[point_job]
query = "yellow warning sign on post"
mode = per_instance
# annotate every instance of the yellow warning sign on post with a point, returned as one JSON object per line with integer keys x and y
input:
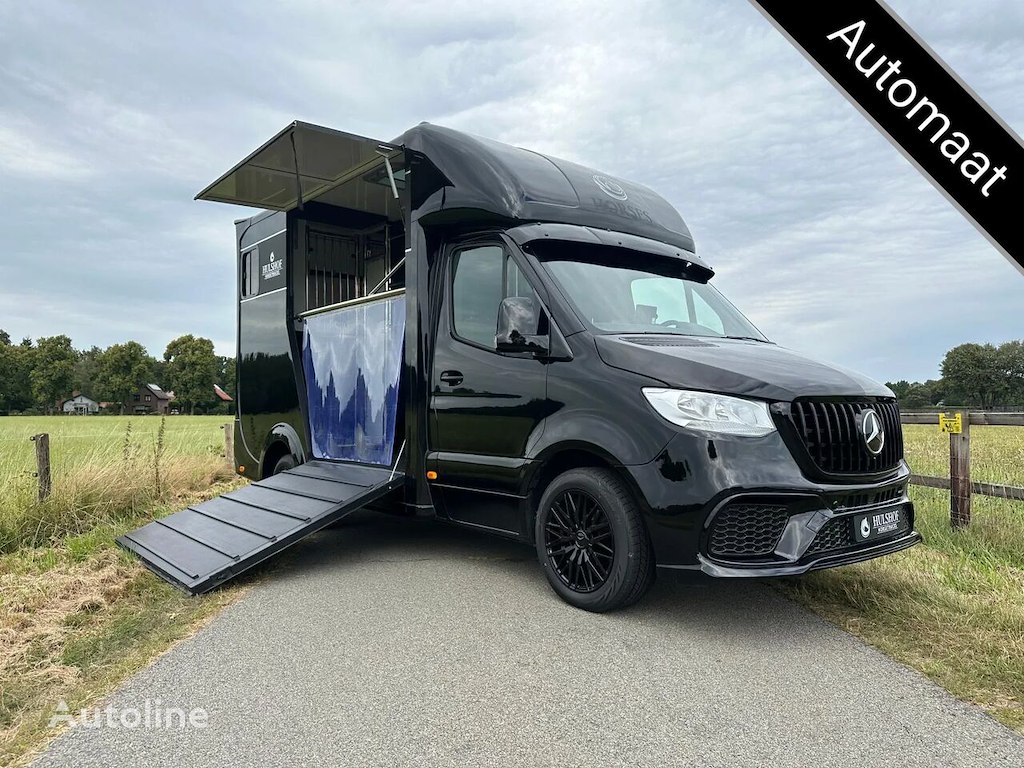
{"x": 954, "y": 425}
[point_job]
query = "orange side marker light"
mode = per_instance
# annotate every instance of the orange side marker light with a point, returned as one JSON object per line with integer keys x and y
{"x": 431, "y": 475}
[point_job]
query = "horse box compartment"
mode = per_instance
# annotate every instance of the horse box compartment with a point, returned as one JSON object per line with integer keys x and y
{"x": 447, "y": 326}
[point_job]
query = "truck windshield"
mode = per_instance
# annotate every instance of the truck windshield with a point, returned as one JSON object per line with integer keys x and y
{"x": 628, "y": 292}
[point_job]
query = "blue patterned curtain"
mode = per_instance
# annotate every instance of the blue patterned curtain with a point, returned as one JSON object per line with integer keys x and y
{"x": 352, "y": 358}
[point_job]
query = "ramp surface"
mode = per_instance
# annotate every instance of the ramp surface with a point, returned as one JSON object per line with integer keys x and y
{"x": 207, "y": 544}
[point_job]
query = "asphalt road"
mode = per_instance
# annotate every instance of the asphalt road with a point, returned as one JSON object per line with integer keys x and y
{"x": 389, "y": 642}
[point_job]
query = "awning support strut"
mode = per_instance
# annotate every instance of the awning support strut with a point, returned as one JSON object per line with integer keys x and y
{"x": 298, "y": 176}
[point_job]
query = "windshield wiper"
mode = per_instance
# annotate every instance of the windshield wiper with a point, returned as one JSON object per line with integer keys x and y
{"x": 668, "y": 333}
{"x": 748, "y": 338}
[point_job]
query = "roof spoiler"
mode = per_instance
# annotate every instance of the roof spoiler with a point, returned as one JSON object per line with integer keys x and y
{"x": 576, "y": 233}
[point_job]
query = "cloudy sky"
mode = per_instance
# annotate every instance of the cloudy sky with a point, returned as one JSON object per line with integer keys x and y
{"x": 114, "y": 114}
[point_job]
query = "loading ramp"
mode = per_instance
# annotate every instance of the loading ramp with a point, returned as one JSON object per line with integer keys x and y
{"x": 205, "y": 545}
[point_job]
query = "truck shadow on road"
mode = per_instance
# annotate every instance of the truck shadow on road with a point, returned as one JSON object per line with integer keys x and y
{"x": 501, "y": 569}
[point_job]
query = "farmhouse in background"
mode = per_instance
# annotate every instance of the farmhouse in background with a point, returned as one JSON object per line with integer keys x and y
{"x": 225, "y": 403}
{"x": 150, "y": 399}
{"x": 80, "y": 405}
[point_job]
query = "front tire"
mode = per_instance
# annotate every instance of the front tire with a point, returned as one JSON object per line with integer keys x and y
{"x": 592, "y": 542}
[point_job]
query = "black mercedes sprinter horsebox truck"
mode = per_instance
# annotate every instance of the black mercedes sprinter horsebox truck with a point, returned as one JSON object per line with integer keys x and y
{"x": 461, "y": 329}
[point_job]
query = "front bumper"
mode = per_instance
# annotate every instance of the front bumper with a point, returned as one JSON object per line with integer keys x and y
{"x": 695, "y": 478}
{"x": 826, "y": 560}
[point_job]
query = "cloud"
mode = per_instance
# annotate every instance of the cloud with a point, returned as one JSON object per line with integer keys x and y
{"x": 114, "y": 117}
{"x": 24, "y": 156}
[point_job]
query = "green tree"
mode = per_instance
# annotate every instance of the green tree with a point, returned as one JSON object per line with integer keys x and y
{"x": 937, "y": 391}
{"x": 53, "y": 370}
{"x": 86, "y": 371}
{"x": 917, "y": 396}
{"x": 122, "y": 369}
{"x": 973, "y": 375}
{"x": 226, "y": 374}
{"x": 158, "y": 373}
{"x": 191, "y": 368}
{"x": 1011, "y": 363}
{"x": 15, "y": 383}
{"x": 900, "y": 388}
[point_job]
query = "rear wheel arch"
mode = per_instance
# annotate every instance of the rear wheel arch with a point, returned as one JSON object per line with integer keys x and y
{"x": 277, "y": 450}
{"x": 282, "y": 441}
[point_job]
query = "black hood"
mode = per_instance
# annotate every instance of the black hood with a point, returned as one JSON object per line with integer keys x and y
{"x": 734, "y": 367}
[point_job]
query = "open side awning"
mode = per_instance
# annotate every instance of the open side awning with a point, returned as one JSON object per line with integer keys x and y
{"x": 304, "y": 162}
{"x": 204, "y": 545}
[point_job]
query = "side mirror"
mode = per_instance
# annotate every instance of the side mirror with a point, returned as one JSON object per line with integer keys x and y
{"x": 518, "y": 319}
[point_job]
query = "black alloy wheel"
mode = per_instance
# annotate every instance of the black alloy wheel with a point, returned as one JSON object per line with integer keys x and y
{"x": 579, "y": 541}
{"x": 592, "y": 541}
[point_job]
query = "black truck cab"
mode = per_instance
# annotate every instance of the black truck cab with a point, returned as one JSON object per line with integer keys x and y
{"x": 458, "y": 328}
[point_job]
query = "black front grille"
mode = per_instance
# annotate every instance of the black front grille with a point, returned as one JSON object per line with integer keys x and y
{"x": 829, "y": 433}
{"x": 744, "y": 529}
{"x": 872, "y": 499}
{"x": 837, "y": 533}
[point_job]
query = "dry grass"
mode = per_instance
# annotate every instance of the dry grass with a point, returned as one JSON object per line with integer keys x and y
{"x": 90, "y": 495}
{"x": 36, "y": 606}
{"x": 77, "y": 615}
{"x": 76, "y": 619}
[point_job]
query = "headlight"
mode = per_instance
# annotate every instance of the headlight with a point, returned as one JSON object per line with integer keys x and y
{"x": 712, "y": 413}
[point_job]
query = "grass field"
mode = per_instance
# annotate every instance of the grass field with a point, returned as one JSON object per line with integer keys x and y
{"x": 80, "y": 439}
{"x": 997, "y": 453}
{"x": 104, "y": 468}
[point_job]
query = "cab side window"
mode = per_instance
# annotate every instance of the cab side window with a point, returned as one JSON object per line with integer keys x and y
{"x": 481, "y": 277}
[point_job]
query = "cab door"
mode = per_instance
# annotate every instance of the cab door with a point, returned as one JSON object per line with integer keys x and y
{"x": 486, "y": 406}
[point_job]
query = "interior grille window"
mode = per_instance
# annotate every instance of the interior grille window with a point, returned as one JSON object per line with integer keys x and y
{"x": 332, "y": 270}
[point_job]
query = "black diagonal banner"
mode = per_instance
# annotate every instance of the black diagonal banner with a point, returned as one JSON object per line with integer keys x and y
{"x": 938, "y": 123}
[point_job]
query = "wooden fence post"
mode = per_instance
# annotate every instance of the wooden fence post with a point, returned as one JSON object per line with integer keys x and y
{"x": 960, "y": 473}
{"x": 42, "y": 442}
{"x": 229, "y": 444}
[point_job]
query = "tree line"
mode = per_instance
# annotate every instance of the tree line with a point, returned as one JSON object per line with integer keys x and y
{"x": 36, "y": 375}
{"x": 973, "y": 375}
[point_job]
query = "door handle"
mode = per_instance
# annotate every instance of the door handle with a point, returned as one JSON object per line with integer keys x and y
{"x": 453, "y": 378}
